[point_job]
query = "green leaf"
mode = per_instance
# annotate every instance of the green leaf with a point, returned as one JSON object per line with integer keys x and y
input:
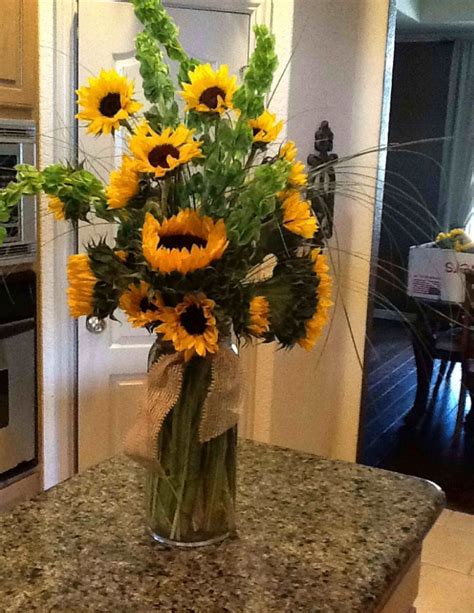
{"x": 258, "y": 78}
{"x": 157, "y": 84}
{"x": 256, "y": 202}
{"x": 162, "y": 28}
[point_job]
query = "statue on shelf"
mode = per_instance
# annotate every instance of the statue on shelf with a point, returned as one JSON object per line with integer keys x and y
{"x": 322, "y": 183}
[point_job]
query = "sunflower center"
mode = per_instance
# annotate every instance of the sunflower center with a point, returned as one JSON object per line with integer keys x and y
{"x": 181, "y": 241}
{"x": 110, "y": 105}
{"x": 193, "y": 320}
{"x": 146, "y": 305}
{"x": 210, "y": 97}
{"x": 158, "y": 156}
{"x": 255, "y": 131}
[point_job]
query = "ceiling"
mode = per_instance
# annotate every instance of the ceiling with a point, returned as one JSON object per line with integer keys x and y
{"x": 442, "y": 17}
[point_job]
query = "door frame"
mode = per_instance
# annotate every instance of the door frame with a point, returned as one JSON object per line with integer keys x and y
{"x": 377, "y": 224}
{"x": 58, "y": 360}
{"x": 260, "y": 11}
{"x": 56, "y": 342}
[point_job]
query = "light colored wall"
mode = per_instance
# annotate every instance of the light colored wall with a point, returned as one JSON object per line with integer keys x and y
{"x": 311, "y": 401}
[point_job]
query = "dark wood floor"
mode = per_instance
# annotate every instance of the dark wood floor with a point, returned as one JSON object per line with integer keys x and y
{"x": 426, "y": 451}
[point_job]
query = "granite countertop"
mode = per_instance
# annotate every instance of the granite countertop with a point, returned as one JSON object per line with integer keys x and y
{"x": 314, "y": 535}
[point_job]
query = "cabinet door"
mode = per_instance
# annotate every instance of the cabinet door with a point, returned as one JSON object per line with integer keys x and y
{"x": 18, "y": 53}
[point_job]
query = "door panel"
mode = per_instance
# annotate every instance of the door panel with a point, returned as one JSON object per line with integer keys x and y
{"x": 112, "y": 364}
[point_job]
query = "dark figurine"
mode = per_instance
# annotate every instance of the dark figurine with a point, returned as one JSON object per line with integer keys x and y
{"x": 322, "y": 183}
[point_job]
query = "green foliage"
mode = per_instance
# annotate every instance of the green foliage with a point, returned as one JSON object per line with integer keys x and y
{"x": 157, "y": 84}
{"x": 258, "y": 78}
{"x": 128, "y": 235}
{"x": 162, "y": 28}
{"x": 291, "y": 293}
{"x": 28, "y": 182}
{"x": 30, "y": 179}
{"x": 79, "y": 190}
{"x": 227, "y": 165}
{"x": 10, "y": 196}
{"x": 112, "y": 275}
{"x": 256, "y": 202}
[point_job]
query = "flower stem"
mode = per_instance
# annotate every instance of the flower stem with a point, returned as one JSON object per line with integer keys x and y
{"x": 191, "y": 496}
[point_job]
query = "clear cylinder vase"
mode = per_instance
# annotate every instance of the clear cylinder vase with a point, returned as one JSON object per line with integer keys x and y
{"x": 190, "y": 498}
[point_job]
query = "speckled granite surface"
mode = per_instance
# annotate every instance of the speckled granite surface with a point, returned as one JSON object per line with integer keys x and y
{"x": 314, "y": 535}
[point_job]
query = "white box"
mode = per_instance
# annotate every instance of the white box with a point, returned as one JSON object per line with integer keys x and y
{"x": 437, "y": 274}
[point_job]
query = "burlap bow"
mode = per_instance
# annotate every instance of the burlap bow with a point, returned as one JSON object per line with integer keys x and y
{"x": 224, "y": 401}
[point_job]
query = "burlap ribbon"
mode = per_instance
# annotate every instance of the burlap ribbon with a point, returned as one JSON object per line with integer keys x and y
{"x": 223, "y": 404}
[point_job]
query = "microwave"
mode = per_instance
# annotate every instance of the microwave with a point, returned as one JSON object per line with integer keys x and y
{"x": 18, "y": 146}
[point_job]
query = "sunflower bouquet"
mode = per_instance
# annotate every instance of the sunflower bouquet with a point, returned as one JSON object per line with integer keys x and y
{"x": 213, "y": 242}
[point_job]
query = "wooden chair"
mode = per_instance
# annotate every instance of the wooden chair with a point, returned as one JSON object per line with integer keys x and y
{"x": 456, "y": 345}
{"x": 443, "y": 333}
{"x": 467, "y": 350}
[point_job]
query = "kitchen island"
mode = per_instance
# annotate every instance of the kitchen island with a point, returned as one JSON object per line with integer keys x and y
{"x": 313, "y": 535}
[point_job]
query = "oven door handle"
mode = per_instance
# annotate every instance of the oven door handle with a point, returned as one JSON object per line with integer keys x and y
{"x": 16, "y": 327}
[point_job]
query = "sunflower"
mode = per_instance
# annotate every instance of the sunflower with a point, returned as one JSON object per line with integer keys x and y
{"x": 184, "y": 242}
{"x": 123, "y": 183}
{"x": 288, "y": 151}
{"x": 265, "y": 128}
{"x": 141, "y": 304}
{"x": 315, "y": 325}
{"x": 297, "y": 176}
{"x": 56, "y": 207}
{"x": 162, "y": 153}
{"x": 106, "y": 102}
{"x": 190, "y": 326}
{"x": 259, "y": 310}
{"x": 81, "y": 285}
{"x": 209, "y": 91}
{"x": 298, "y": 216}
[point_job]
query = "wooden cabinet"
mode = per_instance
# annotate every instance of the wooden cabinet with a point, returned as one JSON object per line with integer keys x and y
{"x": 18, "y": 56}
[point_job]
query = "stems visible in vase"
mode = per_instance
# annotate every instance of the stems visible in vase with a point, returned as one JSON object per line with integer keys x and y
{"x": 191, "y": 497}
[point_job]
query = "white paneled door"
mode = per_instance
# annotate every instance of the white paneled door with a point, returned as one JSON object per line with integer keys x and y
{"x": 112, "y": 360}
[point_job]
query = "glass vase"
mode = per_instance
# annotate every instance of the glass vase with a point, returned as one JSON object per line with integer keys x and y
{"x": 190, "y": 498}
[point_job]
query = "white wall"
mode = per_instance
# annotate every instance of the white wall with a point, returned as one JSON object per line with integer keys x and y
{"x": 311, "y": 401}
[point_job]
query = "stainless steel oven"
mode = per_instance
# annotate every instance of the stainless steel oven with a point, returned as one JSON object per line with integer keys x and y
{"x": 18, "y": 146}
{"x": 18, "y": 414}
